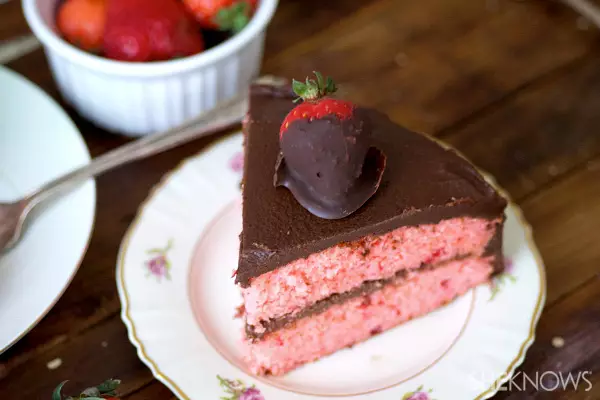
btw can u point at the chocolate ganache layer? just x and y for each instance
(423, 183)
(320, 306)
(329, 165)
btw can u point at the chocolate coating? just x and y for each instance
(423, 183)
(329, 164)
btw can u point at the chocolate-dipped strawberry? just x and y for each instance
(327, 159)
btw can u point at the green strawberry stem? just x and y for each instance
(312, 90)
(234, 18)
(56, 394)
(99, 392)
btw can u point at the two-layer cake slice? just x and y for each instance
(312, 286)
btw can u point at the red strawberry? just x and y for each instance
(82, 22)
(225, 15)
(316, 104)
(327, 158)
(206, 11)
(141, 30)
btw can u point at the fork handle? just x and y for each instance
(223, 116)
(586, 8)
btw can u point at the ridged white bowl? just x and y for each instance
(141, 98)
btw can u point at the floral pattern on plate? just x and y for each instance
(237, 390)
(505, 277)
(159, 265)
(201, 211)
(418, 394)
(236, 163)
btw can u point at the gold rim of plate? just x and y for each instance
(142, 353)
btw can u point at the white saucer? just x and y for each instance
(175, 283)
(39, 142)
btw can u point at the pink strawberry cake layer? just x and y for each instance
(302, 283)
(354, 321)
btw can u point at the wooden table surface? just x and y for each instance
(515, 85)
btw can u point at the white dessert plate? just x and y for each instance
(175, 282)
(38, 142)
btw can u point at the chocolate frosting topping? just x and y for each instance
(423, 183)
(330, 165)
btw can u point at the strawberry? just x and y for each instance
(205, 11)
(225, 15)
(316, 103)
(141, 30)
(82, 22)
(105, 391)
(327, 159)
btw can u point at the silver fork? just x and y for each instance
(586, 8)
(13, 216)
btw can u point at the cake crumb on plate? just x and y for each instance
(558, 342)
(54, 364)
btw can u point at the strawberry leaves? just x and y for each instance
(109, 386)
(103, 391)
(56, 394)
(234, 18)
(312, 90)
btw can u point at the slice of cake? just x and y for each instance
(351, 226)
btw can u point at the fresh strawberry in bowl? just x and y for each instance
(142, 30)
(157, 64)
(226, 15)
(82, 23)
(150, 30)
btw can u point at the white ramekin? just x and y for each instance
(141, 98)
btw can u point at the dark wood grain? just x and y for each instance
(431, 63)
(564, 218)
(297, 19)
(155, 390)
(539, 133)
(12, 21)
(515, 85)
(86, 360)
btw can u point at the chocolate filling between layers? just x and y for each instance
(320, 306)
(495, 246)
